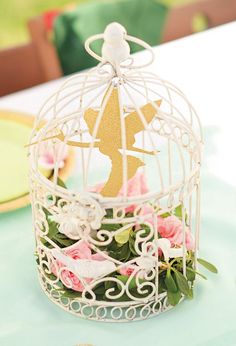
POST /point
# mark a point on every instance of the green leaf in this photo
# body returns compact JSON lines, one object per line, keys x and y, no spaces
{"x":71,"y":294}
{"x":132,"y":248}
{"x":173,"y":298}
{"x":61,"y":183}
{"x":51,"y":276}
{"x":201,"y":275}
{"x":123,"y":251}
{"x":109,"y":284}
{"x":182,"y":282}
{"x":99,"y":289}
{"x":161,"y":285}
{"x":128,"y":254}
{"x":46,"y":212}
{"x":113,"y":246}
{"x":178,"y":211}
{"x":170,"y":283}
{"x":125,"y":278}
{"x":111,"y":227}
{"x":109,"y":213}
{"x":132,"y":242}
{"x":132,"y":283}
{"x":195,"y":272}
{"x":146,"y":229}
{"x":190,"y":273}
{"x":53,"y":229}
{"x":207,"y":265}
{"x":119,"y":251}
{"x":61,"y":236}
{"x":44,"y":242}
{"x":164,"y":215}
{"x":62,"y":241}
{"x":190,"y":293}
{"x":123,"y":236}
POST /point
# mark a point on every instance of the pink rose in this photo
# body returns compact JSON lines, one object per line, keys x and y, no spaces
{"x":171,"y":228}
{"x":79,"y":250}
{"x":49,"y":154}
{"x":127,"y":271}
{"x":136,"y":186}
{"x":147,"y":210}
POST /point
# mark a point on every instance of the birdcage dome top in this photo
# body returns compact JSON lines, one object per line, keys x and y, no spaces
{"x":124,"y":118}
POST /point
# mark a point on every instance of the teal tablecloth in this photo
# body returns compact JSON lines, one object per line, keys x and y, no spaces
{"x":28,"y":318}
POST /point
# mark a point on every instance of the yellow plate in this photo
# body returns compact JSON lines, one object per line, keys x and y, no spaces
{"x":15,"y":129}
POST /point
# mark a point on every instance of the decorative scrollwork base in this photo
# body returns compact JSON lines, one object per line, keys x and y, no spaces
{"x":104,"y":311}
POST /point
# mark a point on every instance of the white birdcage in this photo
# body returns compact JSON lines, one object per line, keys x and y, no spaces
{"x":111,"y":245}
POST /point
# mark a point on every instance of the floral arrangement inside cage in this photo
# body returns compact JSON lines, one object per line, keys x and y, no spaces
{"x":121,"y":242}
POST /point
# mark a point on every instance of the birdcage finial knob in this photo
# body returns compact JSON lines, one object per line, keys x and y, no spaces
{"x":115,"y":49}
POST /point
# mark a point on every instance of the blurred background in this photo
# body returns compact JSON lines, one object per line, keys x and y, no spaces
{"x":43,"y":40}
